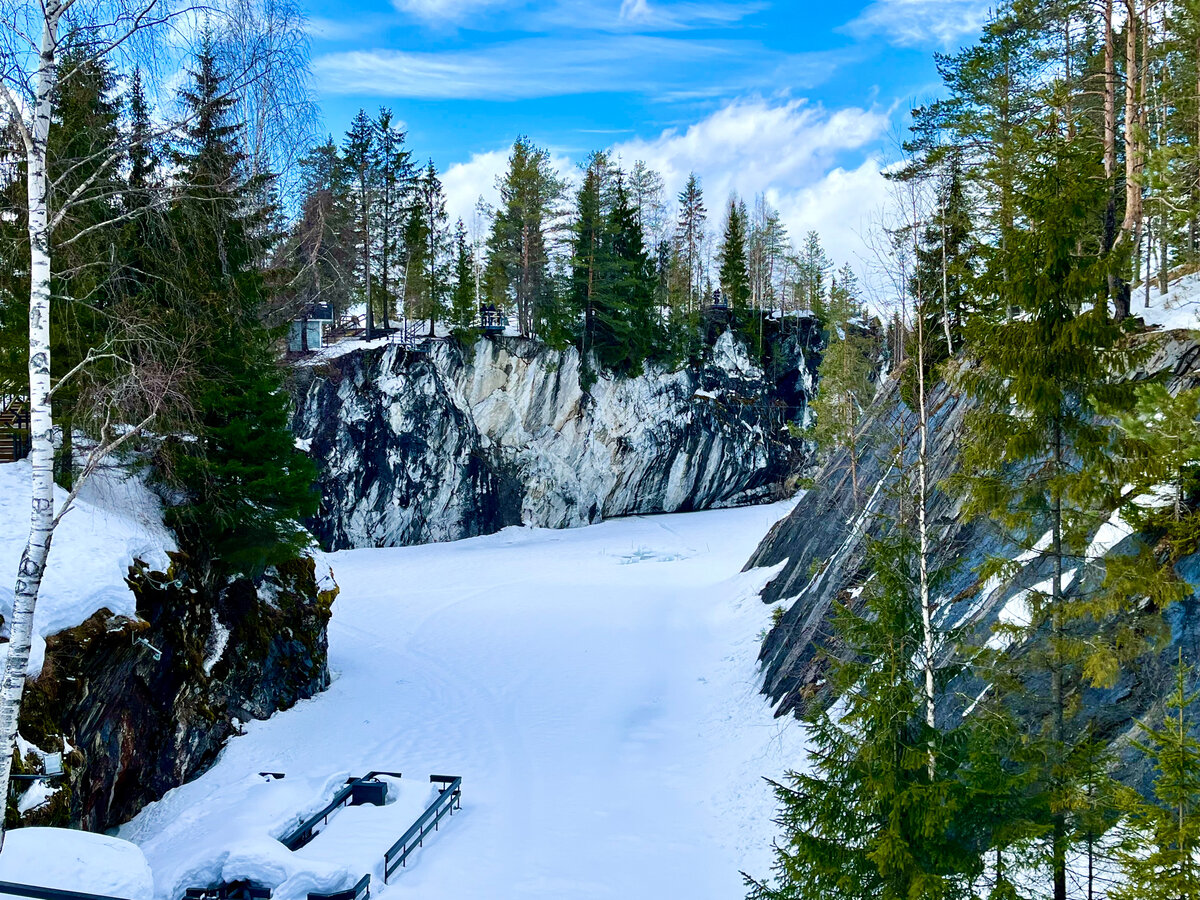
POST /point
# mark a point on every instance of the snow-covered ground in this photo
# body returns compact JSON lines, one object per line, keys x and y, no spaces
{"x":1179,"y":308}
{"x":595,"y":688}
{"x":74,"y":860}
{"x":115,"y":520}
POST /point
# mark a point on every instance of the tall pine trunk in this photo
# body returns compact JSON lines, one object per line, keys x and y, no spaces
{"x":1110,"y":142}
{"x":41,"y":427}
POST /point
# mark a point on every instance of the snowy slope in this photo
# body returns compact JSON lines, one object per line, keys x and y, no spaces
{"x":114,"y":520}
{"x":596,"y":689}
{"x":1178,"y":309}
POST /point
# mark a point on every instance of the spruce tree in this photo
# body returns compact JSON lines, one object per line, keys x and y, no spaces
{"x":689,"y":243}
{"x":463,"y":307}
{"x":1035,"y":455}
{"x":238,"y":486}
{"x":322,"y":243}
{"x":1164,"y":859}
{"x":945,"y":262}
{"x":589,"y":258}
{"x":433,"y":276}
{"x":88,"y":270}
{"x":812,"y":267}
{"x":868,"y":819}
{"x":626,"y":327}
{"x":735,"y":279}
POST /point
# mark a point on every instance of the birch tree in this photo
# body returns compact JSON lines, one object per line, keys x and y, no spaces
{"x":34,"y":39}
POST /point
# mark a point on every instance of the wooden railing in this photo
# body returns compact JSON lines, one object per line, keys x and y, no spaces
{"x":448,"y":799}
{"x":356,"y":792}
{"x":361,"y":891}
{"x":228,"y":892}
{"x":7,"y":888}
{"x":14,"y":424}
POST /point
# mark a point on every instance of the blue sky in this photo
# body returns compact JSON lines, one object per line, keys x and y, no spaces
{"x":801,"y":100}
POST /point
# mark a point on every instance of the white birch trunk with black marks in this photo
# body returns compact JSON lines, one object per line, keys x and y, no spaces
{"x":41,"y":430}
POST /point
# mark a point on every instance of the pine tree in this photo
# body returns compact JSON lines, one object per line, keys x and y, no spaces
{"x":735,"y":280}
{"x":395,"y":175}
{"x":361,"y":155}
{"x":518,"y":268}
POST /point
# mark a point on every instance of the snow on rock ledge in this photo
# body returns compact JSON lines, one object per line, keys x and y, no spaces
{"x":115,"y":521}
{"x":418,"y":448}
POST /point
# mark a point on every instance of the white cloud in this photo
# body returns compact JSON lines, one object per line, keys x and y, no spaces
{"x":920,"y":23}
{"x":664,"y":16}
{"x":445,"y":11}
{"x":842,"y":207}
{"x":466,"y":182}
{"x":532,"y":67}
{"x":601,"y":15}
{"x":790,"y":150}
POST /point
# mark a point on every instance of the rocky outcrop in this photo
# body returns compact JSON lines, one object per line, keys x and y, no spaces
{"x":139,"y":705}
{"x":821,"y":551}
{"x":420,"y":447}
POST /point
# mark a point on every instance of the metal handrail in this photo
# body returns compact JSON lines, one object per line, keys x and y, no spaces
{"x":361,"y":891}
{"x":43,"y":893}
{"x":303,"y":833}
{"x":442,"y":805}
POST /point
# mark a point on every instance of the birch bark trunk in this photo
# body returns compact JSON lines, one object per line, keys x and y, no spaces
{"x":41,"y":431}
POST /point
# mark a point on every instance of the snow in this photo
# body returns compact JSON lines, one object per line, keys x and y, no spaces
{"x":1179,"y":309}
{"x":39,"y":794}
{"x":115,"y":520}
{"x":75,"y":860}
{"x":596,"y":689}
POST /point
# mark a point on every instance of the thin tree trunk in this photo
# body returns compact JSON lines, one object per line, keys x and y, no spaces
{"x":923,"y":531}
{"x":946,"y":289}
{"x":385,"y":260}
{"x":1110,"y":142}
{"x":1131,"y":224}
{"x":1164,"y":251}
{"x":41,"y":423}
{"x":366,"y":231}
{"x":1059,"y":835}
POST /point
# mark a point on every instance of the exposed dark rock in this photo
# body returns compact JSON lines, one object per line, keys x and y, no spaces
{"x":821,"y":549}
{"x":134,"y":726}
{"x":458,"y":442}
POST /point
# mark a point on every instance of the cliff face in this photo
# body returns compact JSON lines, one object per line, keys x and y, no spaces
{"x":457,"y":442}
{"x":821,"y":548}
{"x":132,"y":724}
